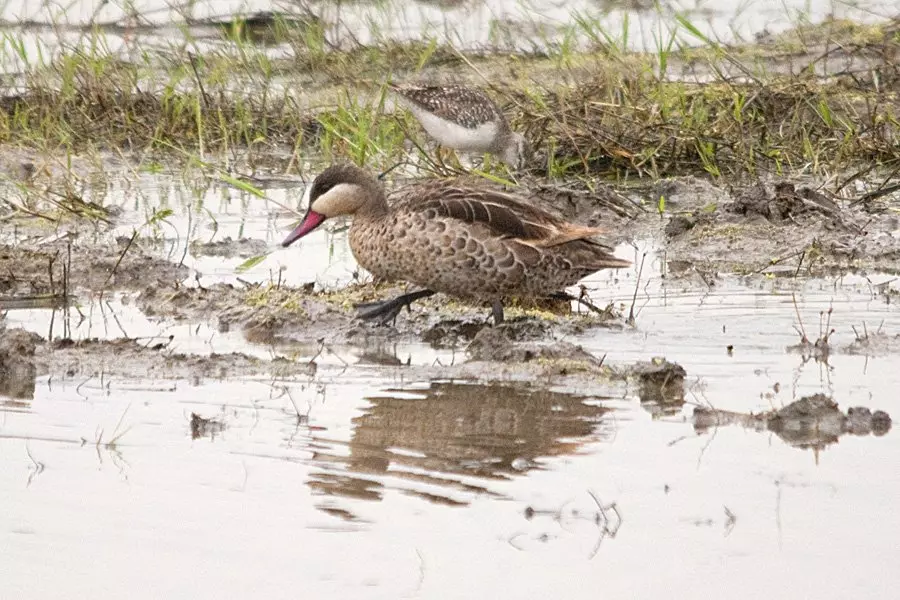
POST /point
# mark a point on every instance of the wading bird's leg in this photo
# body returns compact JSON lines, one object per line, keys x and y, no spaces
{"x":386,"y":311}
{"x":582,"y":301}
{"x":497,"y":312}
{"x":440,"y":159}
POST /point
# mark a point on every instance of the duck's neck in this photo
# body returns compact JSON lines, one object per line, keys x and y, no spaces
{"x":375,"y":205}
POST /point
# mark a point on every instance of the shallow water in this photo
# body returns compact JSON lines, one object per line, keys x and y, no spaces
{"x":391,"y":485}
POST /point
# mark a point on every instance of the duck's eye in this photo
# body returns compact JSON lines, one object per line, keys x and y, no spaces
{"x":320,"y":190}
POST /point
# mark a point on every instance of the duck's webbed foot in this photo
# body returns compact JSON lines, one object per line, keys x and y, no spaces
{"x":386,"y":311}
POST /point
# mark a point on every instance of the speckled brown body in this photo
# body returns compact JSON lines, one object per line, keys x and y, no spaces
{"x":441,"y":237}
{"x":462,"y":240}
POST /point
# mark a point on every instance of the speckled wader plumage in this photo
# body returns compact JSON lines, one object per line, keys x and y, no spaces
{"x":464,"y":118}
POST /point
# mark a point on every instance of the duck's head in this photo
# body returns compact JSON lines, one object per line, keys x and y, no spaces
{"x":337,"y":191}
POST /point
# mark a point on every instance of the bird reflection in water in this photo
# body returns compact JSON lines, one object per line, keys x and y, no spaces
{"x":448,"y":442}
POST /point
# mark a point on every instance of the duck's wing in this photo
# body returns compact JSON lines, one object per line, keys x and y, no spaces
{"x":470,"y":107}
{"x":504,"y":214}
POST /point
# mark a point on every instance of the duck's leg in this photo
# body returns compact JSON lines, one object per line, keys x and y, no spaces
{"x":386,"y":311}
{"x":497,"y":311}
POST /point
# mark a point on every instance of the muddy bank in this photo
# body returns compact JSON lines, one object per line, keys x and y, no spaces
{"x":135,"y":359}
{"x":495,"y":355}
{"x":24,"y":356}
{"x":782,"y":228}
{"x":65,"y":265}
{"x":267,"y":313}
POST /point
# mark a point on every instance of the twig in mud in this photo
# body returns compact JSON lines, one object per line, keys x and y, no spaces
{"x":776,"y":261}
{"x":319,"y":351}
{"x":730,"y":521}
{"x":583,"y":299}
{"x":151,"y":338}
{"x":116,"y":434}
{"x":134,"y":235}
{"x":603,"y":519}
{"x":386,"y":171}
{"x":20,"y":208}
{"x":324,"y":348}
{"x":631,"y":319}
{"x":799,"y":264}
{"x":187,"y":241}
{"x":421,"y":572}
{"x":824,"y":335}
{"x":50,"y":261}
{"x":861,"y":173}
{"x":706,"y":446}
{"x":883,"y":189}
{"x":301,"y":418}
{"x":802,"y":331}
{"x":67,"y":272}
{"x":78,"y":389}
{"x":38,"y":467}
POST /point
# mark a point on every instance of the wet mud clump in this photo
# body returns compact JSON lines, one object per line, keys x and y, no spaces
{"x":134,"y":359}
{"x":782,"y":203}
{"x":498,"y":344}
{"x":205,"y":427}
{"x":660,"y":385}
{"x":57,"y":268}
{"x":450,"y":333}
{"x":875,"y":343}
{"x":17,"y":368}
{"x":772,"y":227}
{"x":811,"y":422}
{"x":229,"y":248}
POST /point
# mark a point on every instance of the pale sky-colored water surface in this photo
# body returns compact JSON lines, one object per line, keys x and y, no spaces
{"x":393,"y":486}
